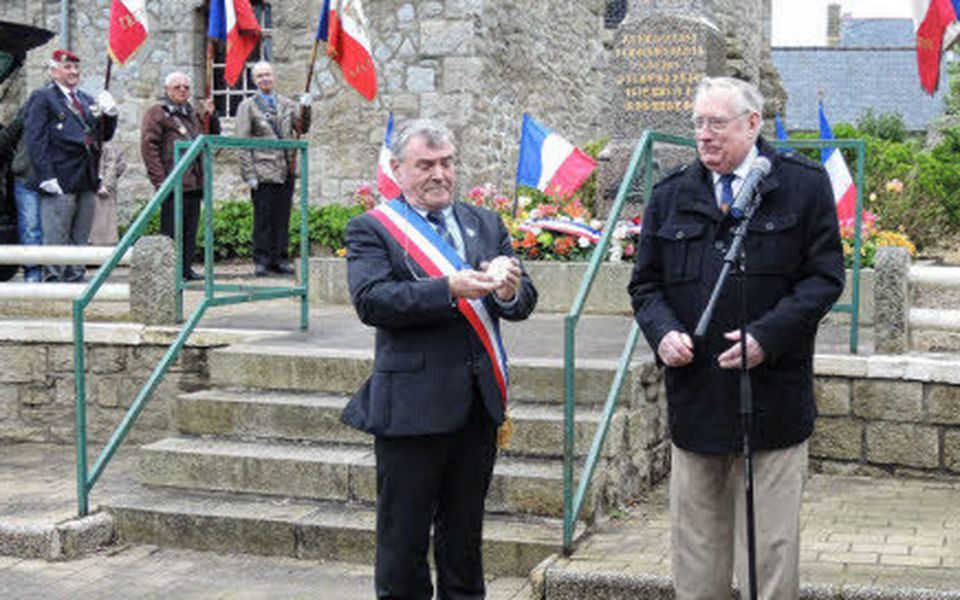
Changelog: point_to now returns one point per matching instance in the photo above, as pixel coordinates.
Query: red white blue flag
(844, 190)
(344, 28)
(550, 163)
(128, 29)
(439, 259)
(936, 32)
(234, 23)
(386, 180)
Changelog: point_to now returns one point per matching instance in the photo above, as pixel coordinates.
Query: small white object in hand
(498, 269)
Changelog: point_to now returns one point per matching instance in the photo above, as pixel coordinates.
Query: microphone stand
(736, 255)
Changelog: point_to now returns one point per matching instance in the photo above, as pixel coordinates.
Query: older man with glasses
(171, 120)
(794, 273)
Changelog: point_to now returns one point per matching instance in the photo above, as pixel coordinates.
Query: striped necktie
(440, 224)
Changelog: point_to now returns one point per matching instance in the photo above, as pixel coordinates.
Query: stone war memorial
(237, 474)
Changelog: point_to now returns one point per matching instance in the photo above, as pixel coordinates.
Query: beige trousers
(708, 515)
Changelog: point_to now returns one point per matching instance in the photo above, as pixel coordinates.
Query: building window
(227, 98)
(616, 11)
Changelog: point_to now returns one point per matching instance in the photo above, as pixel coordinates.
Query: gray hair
(168, 80)
(434, 133)
(259, 66)
(748, 97)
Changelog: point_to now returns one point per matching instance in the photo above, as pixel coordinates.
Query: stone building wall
(478, 64)
(37, 386)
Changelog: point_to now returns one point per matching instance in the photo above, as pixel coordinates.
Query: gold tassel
(505, 432)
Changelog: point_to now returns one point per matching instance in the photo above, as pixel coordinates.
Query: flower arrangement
(554, 227)
(871, 237)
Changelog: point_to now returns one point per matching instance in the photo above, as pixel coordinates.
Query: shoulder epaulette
(672, 173)
(801, 160)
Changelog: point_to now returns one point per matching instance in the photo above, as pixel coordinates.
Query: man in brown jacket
(174, 119)
(270, 173)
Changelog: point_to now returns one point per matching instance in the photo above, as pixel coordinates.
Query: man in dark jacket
(434, 277)
(171, 120)
(794, 273)
(64, 129)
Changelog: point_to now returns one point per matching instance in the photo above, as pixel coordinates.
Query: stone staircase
(263, 465)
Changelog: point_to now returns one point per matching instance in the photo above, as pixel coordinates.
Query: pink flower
(629, 250)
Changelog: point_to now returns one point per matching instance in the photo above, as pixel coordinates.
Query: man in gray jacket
(270, 173)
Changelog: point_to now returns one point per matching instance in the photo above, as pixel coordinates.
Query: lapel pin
(471, 233)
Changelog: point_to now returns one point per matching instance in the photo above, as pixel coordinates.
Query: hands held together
(676, 350)
(500, 276)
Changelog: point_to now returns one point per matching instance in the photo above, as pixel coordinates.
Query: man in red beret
(65, 129)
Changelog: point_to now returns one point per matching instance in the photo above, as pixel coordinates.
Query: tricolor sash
(438, 259)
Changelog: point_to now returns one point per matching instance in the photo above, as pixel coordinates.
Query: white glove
(253, 183)
(52, 187)
(306, 99)
(106, 104)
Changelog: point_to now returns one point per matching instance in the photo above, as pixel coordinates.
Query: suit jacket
(162, 126)
(267, 164)
(63, 144)
(794, 263)
(428, 363)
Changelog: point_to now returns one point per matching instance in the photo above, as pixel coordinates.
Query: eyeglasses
(180, 87)
(715, 124)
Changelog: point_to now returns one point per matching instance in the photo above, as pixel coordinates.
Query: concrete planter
(558, 284)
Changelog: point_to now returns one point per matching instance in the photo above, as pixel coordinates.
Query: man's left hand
(511, 279)
(730, 359)
(106, 104)
(208, 107)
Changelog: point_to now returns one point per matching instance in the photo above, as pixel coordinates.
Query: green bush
(886, 126)
(233, 228)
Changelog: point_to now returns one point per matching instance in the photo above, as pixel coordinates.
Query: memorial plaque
(660, 52)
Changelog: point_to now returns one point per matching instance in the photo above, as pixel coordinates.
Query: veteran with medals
(172, 120)
(64, 130)
(434, 277)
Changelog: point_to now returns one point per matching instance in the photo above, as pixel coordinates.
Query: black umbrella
(15, 40)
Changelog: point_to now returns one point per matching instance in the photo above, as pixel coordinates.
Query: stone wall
(37, 383)
(897, 415)
(478, 64)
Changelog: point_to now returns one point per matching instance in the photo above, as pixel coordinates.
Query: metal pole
(304, 241)
(80, 431)
(65, 24)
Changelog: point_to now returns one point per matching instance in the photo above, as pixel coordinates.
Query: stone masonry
(477, 64)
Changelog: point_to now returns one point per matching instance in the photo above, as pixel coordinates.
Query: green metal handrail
(185, 153)
(643, 153)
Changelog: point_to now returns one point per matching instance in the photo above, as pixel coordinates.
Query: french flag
(548, 162)
(344, 28)
(386, 181)
(937, 31)
(844, 191)
(128, 28)
(234, 23)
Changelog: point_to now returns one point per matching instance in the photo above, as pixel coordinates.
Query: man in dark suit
(794, 273)
(65, 128)
(438, 389)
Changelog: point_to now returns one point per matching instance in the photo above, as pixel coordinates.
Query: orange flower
(529, 240)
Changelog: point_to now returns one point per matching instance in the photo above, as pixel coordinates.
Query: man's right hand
(675, 349)
(52, 187)
(253, 183)
(470, 284)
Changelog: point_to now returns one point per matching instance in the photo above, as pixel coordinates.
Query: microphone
(759, 168)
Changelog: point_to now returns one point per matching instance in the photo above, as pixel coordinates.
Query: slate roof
(856, 76)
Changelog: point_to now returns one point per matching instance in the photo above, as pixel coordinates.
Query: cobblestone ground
(860, 531)
(148, 572)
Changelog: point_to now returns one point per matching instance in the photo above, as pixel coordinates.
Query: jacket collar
(697, 187)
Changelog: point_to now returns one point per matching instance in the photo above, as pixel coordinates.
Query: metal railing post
(304, 240)
(80, 414)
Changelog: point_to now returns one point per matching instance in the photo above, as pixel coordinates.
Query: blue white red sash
(438, 259)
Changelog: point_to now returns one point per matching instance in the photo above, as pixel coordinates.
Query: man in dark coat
(794, 273)
(171, 120)
(64, 129)
(436, 396)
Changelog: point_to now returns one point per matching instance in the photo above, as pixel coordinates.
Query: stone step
(305, 529)
(297, 364)
(331, 472)
(315, 417)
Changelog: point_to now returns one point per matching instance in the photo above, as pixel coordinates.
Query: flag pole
(208, 84)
